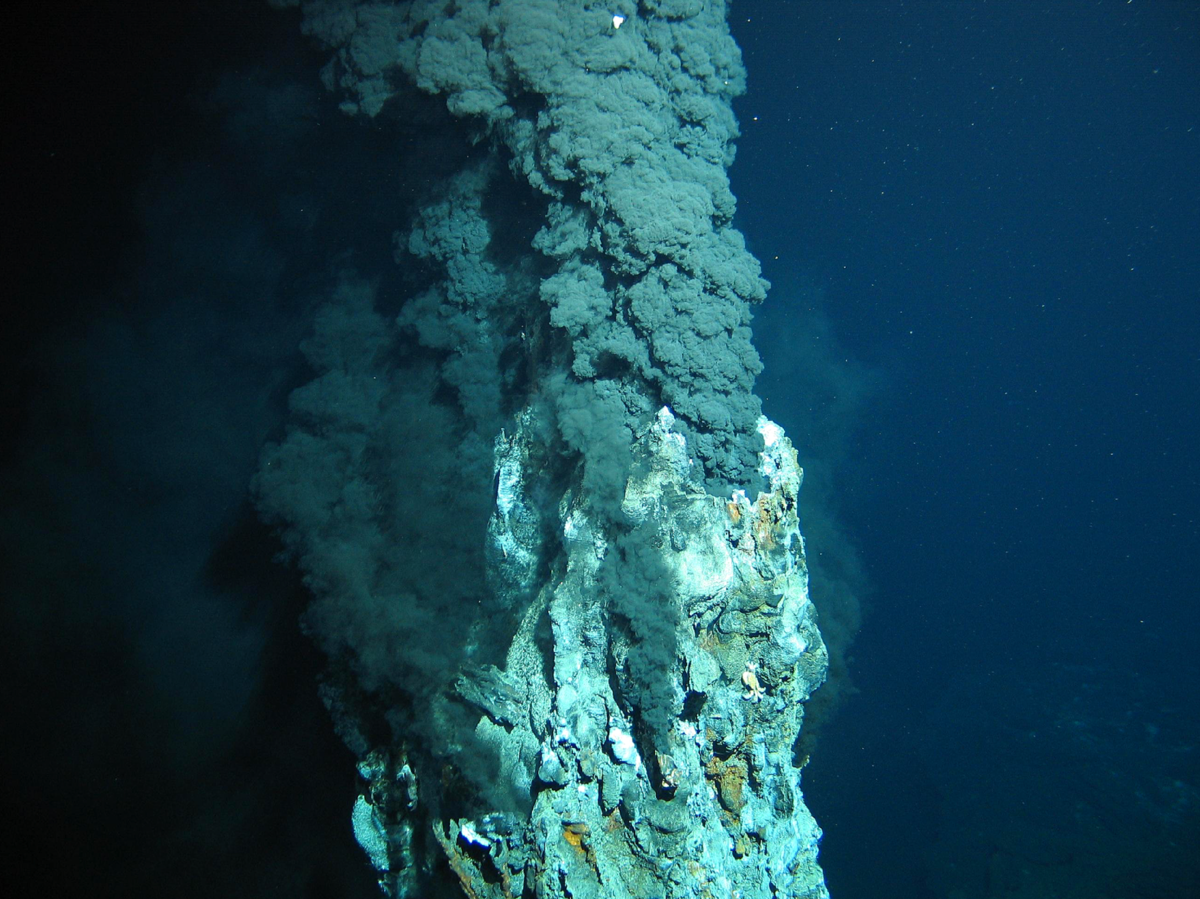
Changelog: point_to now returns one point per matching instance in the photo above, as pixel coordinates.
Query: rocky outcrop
(710, 805)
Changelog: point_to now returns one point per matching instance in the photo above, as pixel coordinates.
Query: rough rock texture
(710, 807)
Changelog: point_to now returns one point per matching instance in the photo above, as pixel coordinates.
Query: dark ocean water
(982, 224)
(995, 206)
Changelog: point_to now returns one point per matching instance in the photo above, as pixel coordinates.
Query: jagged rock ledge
(711, 805)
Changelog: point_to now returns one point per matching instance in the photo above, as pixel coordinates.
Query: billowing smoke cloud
(622, 136)
(581, 263)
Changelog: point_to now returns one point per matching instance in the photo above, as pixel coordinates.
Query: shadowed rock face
(568, 646)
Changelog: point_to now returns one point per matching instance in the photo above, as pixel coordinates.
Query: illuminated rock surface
(710, 806)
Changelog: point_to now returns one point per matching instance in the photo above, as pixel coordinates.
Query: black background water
(989, 211)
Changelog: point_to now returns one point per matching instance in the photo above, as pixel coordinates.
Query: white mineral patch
(664, 422)
(369, 832)
(508, 486)
(705, 567)
(770, 431)
(622, 747)
(469, 834)
(791, 618)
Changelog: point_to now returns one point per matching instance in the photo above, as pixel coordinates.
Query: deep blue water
(995, 206)
(982, 224)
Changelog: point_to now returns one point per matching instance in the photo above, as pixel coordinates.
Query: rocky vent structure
(552, 546)
(712, 807)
